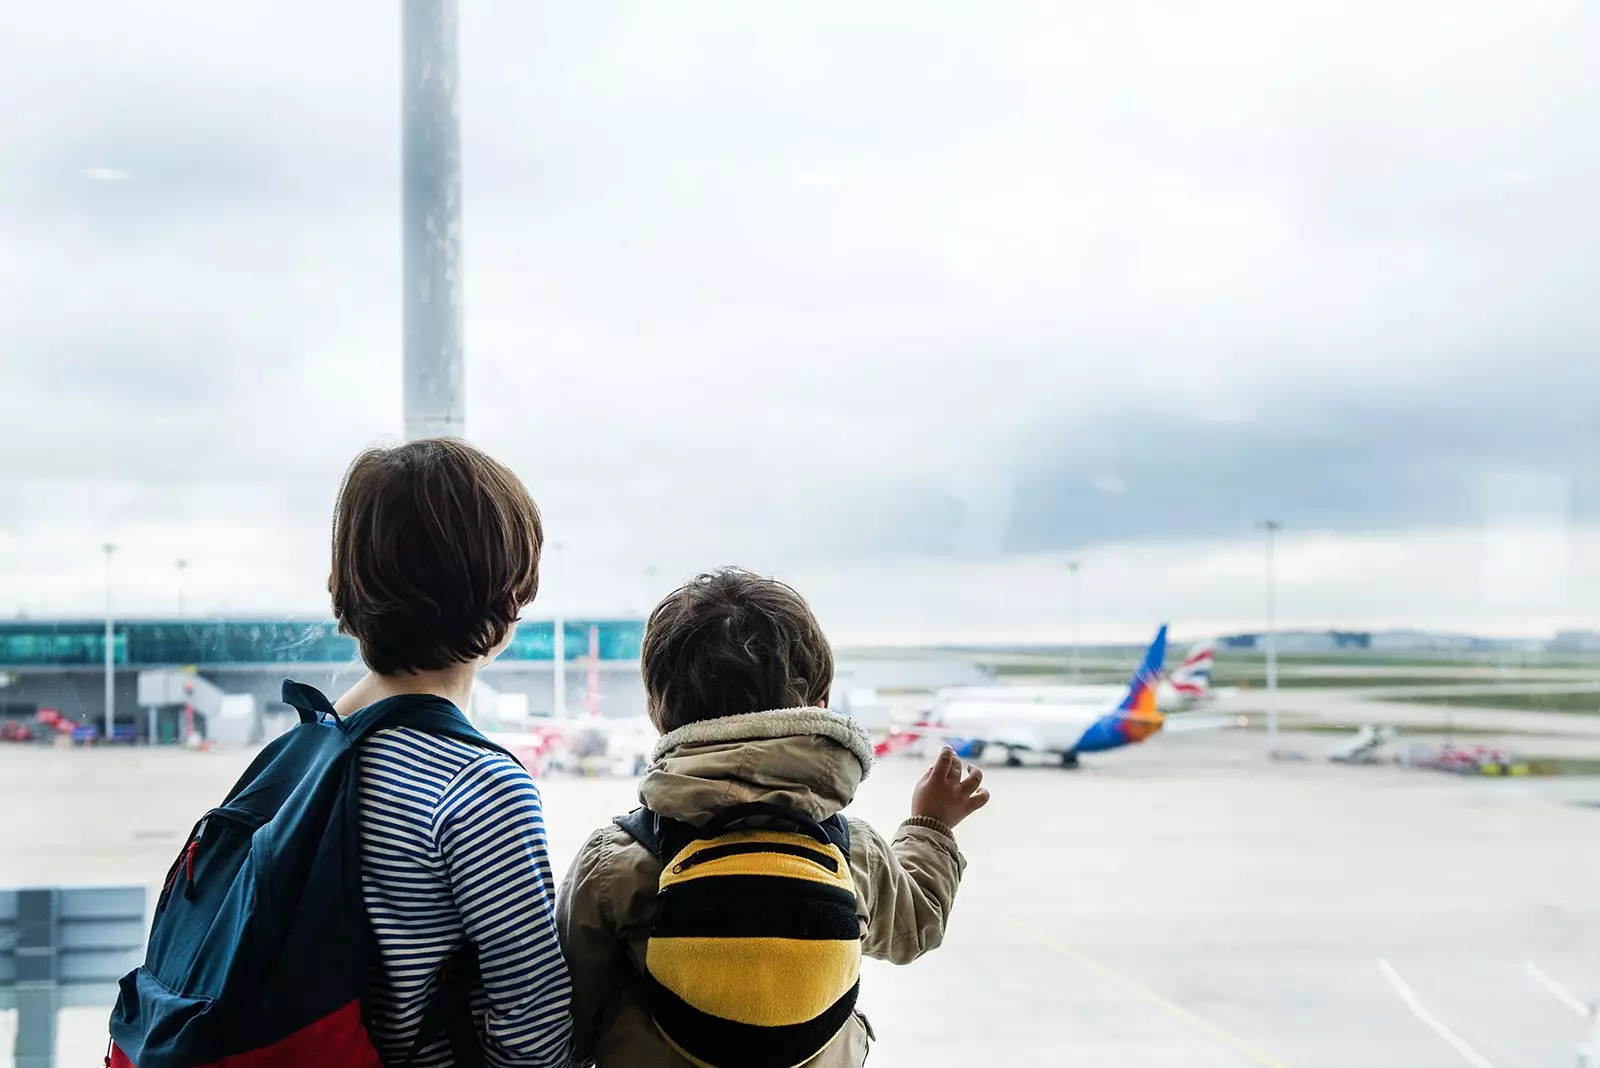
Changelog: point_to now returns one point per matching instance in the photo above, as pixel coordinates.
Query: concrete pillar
(36, 993)
(435, 401)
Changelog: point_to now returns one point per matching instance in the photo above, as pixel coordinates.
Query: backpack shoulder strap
(661, 835)
(641, 825)
(419, 712)
(837, 828)
(312, 704)
(423, 712)
(664, 836)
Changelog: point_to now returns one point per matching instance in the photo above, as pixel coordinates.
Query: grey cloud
(1321, 270)
(1344, 463)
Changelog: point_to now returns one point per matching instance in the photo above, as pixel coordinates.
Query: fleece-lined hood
(807, 758)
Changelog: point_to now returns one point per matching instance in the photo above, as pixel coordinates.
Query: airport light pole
(435, 404)
(558, 656)
(111, 671)
(1073, 567)
(182, 565)
(1271, 527)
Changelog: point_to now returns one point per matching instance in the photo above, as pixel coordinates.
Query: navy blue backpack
(259, 952)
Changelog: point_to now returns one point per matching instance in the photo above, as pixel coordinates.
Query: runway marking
(1562, 994)
(1451, 1039)
(1144, 994)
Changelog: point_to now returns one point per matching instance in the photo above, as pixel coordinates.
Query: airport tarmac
(1181, 903)
(1353, 708)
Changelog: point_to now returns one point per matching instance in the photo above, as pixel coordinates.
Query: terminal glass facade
(158, 643)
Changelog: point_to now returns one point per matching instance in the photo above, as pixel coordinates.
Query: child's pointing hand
(946, 794)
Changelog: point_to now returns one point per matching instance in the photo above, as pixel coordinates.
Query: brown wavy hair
(435, 553)
(731, 641)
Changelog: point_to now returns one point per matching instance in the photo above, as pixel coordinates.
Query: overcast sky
(907, 303)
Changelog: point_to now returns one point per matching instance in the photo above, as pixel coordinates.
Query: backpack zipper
(735, 848)
(185, 862)
(188, 859)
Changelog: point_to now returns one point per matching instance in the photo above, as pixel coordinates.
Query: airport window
(59, 645)
(1188, 413)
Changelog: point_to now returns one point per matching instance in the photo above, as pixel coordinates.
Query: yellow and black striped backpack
(754, 958)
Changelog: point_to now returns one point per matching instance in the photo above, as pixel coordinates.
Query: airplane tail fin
(1192, 679)
(1141, 695)
(1137, 717)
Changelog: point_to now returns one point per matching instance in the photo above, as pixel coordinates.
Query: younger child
(737, 673)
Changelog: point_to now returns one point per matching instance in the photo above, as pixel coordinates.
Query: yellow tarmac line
(1143, 993)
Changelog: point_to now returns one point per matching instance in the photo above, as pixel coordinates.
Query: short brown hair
(435, 552)
(731, 641)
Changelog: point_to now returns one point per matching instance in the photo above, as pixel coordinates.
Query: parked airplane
(1063, 727)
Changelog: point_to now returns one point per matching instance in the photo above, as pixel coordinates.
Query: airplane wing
(1181, 724)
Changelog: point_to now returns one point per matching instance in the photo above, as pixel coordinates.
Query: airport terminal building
(60, 665)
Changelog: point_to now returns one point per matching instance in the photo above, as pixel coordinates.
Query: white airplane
(1064, 728)
(1184, 688)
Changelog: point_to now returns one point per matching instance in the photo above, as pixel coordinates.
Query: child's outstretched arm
(906, 888)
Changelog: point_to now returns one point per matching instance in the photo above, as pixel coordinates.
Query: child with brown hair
(716, 925)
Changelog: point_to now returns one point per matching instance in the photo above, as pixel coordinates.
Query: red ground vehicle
(1468, 760)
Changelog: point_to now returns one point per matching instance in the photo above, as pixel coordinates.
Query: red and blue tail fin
(1192, 680)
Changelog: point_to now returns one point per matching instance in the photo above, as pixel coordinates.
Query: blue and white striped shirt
(452, 850)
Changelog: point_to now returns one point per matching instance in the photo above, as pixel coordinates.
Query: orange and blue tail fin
(1137, 717)
(1141, 696)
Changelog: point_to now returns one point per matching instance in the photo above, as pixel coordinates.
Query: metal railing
(64, 947)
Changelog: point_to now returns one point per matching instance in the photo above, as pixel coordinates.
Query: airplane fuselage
(1036, 726)
(1168, 699)
(1070, 720)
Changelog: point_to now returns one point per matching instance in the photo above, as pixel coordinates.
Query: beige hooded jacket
(807, 758)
